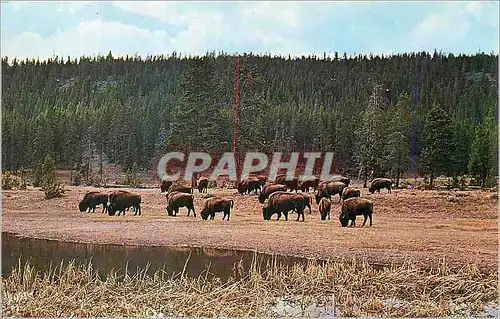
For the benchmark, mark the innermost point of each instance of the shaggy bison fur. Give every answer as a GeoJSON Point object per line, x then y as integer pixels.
{"type": "Point", "coordinates": [176, 200]}
{"type": "Point", "coordinates": [249, 185]}
{"type": "Point", "coordinates": [325, 205]}
{"type": "Point", "coordinates": [307, 184]}
{"type": "Point", "coordinates": [329, 189]}
{"type": "Point", "coordinates": [180, 188]}
{"type": "Point", "coordinates": [120, 201]}
{"type": "Point", "coordinates": [165, 185]}
{"type": "Point", "coordinates": [343, 179]}
{"type": "Point", "coordinates": [216, 204]}
{"type": "Point", "coordinates": [353, 207]}
{"type": "Point", "coordinates": [350, 192]}
{"type": "Point", "coordinates": [283, 202]}
{"type": "Point", "coordinates": [93, 199]}
{"type": "Point", "coordinates": [269, 189]}
{"type": "Point", "coordinates": [379, 183]}
{"type": "Point", "coordinates": [203, 185]}
{"type": "Point", "coordinates": [292, 185]}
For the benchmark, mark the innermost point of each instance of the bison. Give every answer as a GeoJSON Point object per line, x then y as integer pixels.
{"type": "Point", "coordinates": [283, 202]}
{"type": "Point", "coordinates": [379, 183]}
{"type": "Point", "coordinates": [329, 189]}
{"type": "Point", "coordinates": [176, 200]}
{"type": "Point", "coordinates": [119, 201]}
{"type": "Point", "coordinates": [353, 207]}
{"type": "Point", "coordinates": [292, 185]}
{"type": "Point", "coordinates": [350, 192]}
{"type": "Point", "coordinates": [342, 179]}
{"type": "Point", "coordinates": [307, 200]}
{"type": "Point", "coordinates": [165, 185]}
{"type": "Point", "coordinates": [216, 204]}
{"type": "Point", "coordinates": [308, 183]}
{"type": "Point", "coordinates": [262, 179]}
{"type": "Point", "coordinates": [269, 189]}
{"type": "Point", "coordinates": [203, 185]}
{"type": "Point", "coordinates": [93, 199]}
{"type": "Point", "coordinates": [180, 188]}
{"type": "Point", "coordinates": [324, 208]}
{"type": "Point", "coordinates": [249, 185]}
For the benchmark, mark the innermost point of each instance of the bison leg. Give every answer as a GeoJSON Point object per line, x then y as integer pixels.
{"type": "Point", "coordinates": [286, 215]}
{"type": "Point", "coordinates": [370, 216]}
{"type": "Point", "coordinates": [328, 215]}
{"type": "Point", "coordinates": [364, 220]}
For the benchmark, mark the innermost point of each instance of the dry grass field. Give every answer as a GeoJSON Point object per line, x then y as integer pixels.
{"type": "Point", "coordinates": [422, 227]}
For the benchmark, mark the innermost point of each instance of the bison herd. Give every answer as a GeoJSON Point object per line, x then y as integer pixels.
{"type": "Point", "coordinates": [279, 197]}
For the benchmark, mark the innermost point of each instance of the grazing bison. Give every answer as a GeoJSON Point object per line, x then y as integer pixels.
{"type": "Point", "coordinates": [249, 185]}
{"type": "Point", "coordinates": [292, 185]}
{"type": "Point", "coordinates": [93, 199]}
{"type": "Point", "coordinates": [269, 189]}
{"type": "Point", "coordinates": [308, 183]}
{"type": "Point", "coordinates": [342, 179]}
{"type": "Point", "coordinates": [120, 201]}
{"type": "Point", "coordinates": [165, 185]}
{"type": "Point", "coordinates": [329, 189]}
{"type": "Point", "coordinates": [324, 208]}
{"type": "Point", "coordinates": [379, 183]}
{"type": "Point", "coordinates": [216, 204]}
{"type": "Point", "coordinates": [180, 188]}
{"type": "Point", "coordinates": [353, 207]}
{"type": "Point", "coordinates": [176, 200]}
{"type": "Point", "coordinates": [203, 185]}
{"type": "Point", "coordinates": [283, 202]}
{"type": "Point", "coordinates": [350, 192]}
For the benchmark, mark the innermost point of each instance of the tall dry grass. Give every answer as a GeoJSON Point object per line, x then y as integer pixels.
{"type": "Point", "coordinates": [351, 288]}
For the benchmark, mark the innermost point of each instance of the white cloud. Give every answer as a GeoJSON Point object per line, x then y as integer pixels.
{"type": "Point", "coordinates": [88, 38]}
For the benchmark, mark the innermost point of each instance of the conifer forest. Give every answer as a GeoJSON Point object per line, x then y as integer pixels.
{"type": "Point", "coordinates": [434, 113]}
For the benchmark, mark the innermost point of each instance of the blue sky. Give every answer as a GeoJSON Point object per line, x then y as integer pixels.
{"type": "Point", "coordinates": [42, 29]}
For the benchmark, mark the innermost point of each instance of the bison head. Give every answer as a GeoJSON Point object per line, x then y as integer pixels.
{"type": "Point", "coordinates": [371, 190]}
{"type": "Point", "coordinates": [170, 211]}
{"type": "Point", "coordinates": [266, 213]}
{"type": "Point", "coordinates": [111, 210]}
{"type": "Point", "coordinates": [344, 220]}
{"type": "Point", "coordinates": [82, 206]}
{"type": "Point", "coordinates": [204, 214]}
{"type": "Point", "coordinates": [262, 198]}
{"type": "Point", "coordinates": [324, 215]}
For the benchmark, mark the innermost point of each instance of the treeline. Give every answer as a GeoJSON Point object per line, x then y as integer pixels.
{"type": "Point", "coordinates": [382, 116]}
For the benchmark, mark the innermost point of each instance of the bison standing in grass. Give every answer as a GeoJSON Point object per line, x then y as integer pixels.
{"type": "Point", "coordinates": [165, 185]}
{"type": "Point", "coordinates": [379, 183]}
{"type": "Point", "coordinates": [93, 199]}
{"type": "Point", "coordinates": [203, 185]}
{"type": "Point", "coordinates": [353, 207]}
{"type": "Point", "coordinates": [269, 189]}
{"type": "Point", "coordinates": [350, 192]}
{"type": "Point", "coordinates": [324, 208]}
{"type": "Point", "coordinates": [249, 185]}
{"type": "Point", "coordinates": [308, 183]}
{"type": "Point", "coordinates": [283, 202]}
{"type": "Point", "coordinates": [329, 189]}
{"type": "Point", "coordinates": [216, 204]}
{"type": "Point", "coordinates": [176, 200]}
{"type": "Point", "coordinates": [120, 201]}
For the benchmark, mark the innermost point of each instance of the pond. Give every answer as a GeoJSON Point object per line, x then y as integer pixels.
{"type": "Point", "coordinates": [42, 253]}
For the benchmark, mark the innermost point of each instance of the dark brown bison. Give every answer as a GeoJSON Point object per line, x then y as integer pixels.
{"type": "Point", "coordinates": [176, 200]}
{"type": "Point", "coordinates": [180, 188]}
{"type": "Point", "coordinates": [165, 185]}
{"type": "Point", "coordinates": [283, 202]}
{"type": "Point", "coordinates": [216, 204]}
{"type": "Point", "coordinates": [350, 192]}
{"type": "Point", "coordinates": [262, 179]}
{"type": "Point", "coordinates": [120, 201]}
{"type": "Point", "coordinates": [379, 183]}
{"type": "Point", "coordinates": [324, 208]}
{"type": "Point", "coordinates": [292, 185]}
{"type": "Point", "coordinates": [269, 189]}
{"type": "Point", "coordinates": [343, 179]}
{"type": "Point", "coordinates": [308, 183]}
{"type": "Point", "coordinates": [329, 189]}
{"type": "Point", "coordinates": [307, 201]}
{"type": "Point", "coordinates": [203, 185]}
{"type": "Point", "coordinates": [249, 185]}
{"type": "Point", "coordinates": [93, 199]}
{"type": "Point", "coordinates": [353, 207]}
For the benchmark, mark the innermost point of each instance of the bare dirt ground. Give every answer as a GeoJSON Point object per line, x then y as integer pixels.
{"type": "Point", "coordinates": [422, 227]}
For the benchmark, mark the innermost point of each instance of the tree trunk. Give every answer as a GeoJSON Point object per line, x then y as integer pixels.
{"type": "Point", "coordinates": [398, 175]}
{"type": "Point", "coordinates": [366, 177]}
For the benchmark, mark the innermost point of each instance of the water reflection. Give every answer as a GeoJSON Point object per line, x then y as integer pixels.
{"type": "Point", "coordinates": [105, 258]}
